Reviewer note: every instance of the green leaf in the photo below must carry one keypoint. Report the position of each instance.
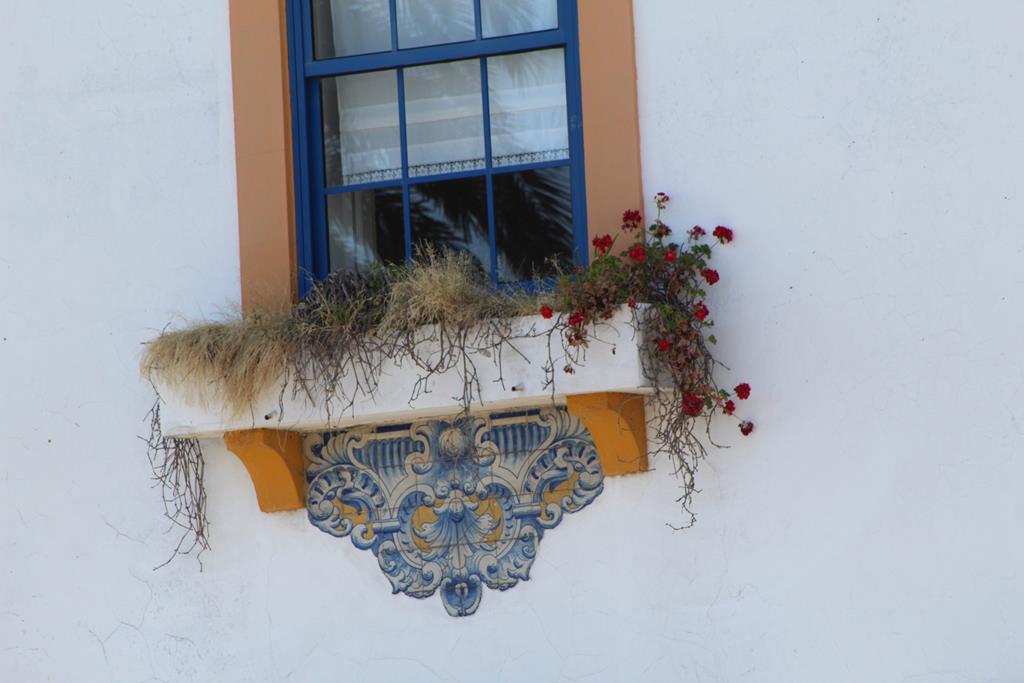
(711, 338)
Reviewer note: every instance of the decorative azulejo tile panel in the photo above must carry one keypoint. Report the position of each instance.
(454, 506)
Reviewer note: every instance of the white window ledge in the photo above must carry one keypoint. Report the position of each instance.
(611, 364)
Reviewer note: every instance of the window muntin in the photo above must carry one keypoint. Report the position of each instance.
(473, 144)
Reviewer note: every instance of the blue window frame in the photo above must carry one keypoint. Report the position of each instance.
(404, 198)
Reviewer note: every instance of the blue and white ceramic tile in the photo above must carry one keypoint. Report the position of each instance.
(451, 507)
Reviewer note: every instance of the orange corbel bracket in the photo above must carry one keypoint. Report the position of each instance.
(276, 466)
(616, 423)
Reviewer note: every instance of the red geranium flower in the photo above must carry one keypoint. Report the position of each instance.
(671, 255)
(743, 391)
(710, 275)
(638, 254)
(723, 234)
(693, 404)
(603, 243)
(701, 312)
(632, 302)
(663, 345)
(631, 220)
(547, 312)
(696, 232)
(729, 408)
(576, 318)
(746, 428)
(661, 199)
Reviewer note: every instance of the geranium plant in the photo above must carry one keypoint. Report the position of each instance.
(666, 283)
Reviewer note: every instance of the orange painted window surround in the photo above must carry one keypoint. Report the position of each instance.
(263, 136)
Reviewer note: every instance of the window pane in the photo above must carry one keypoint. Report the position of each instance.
(434, 22)
(362, 142)
(533, 223)
(505, 17)
(444, 118)
(351, 27)
(528, 107)
(364, 227)
(452, 214)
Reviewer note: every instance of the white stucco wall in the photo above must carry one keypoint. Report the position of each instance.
(868, 155)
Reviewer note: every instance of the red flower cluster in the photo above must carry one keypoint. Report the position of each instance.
(603, 243)
(631, 220)
(667, 277)
(547, 312)
(693, 404)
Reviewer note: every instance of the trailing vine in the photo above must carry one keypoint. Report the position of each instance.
(440, 315)
(178, 468)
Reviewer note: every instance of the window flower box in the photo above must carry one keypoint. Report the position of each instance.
(605, 391)
(529, 374)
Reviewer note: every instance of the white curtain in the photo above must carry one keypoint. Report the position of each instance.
(444, 117)
(529, 118)
(370, 140)
(352, 219)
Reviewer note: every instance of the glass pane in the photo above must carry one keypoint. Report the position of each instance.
(533, 223)
(365, 227)
(452, 214)
(505, 17)
(529, 118)
(444, 118)
(362, 142)
(351, 27)
(434, 22)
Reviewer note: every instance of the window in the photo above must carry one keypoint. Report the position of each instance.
(447, 122)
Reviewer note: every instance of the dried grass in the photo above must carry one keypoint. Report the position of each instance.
(443, 288)
(345, 327)
(231, 361)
